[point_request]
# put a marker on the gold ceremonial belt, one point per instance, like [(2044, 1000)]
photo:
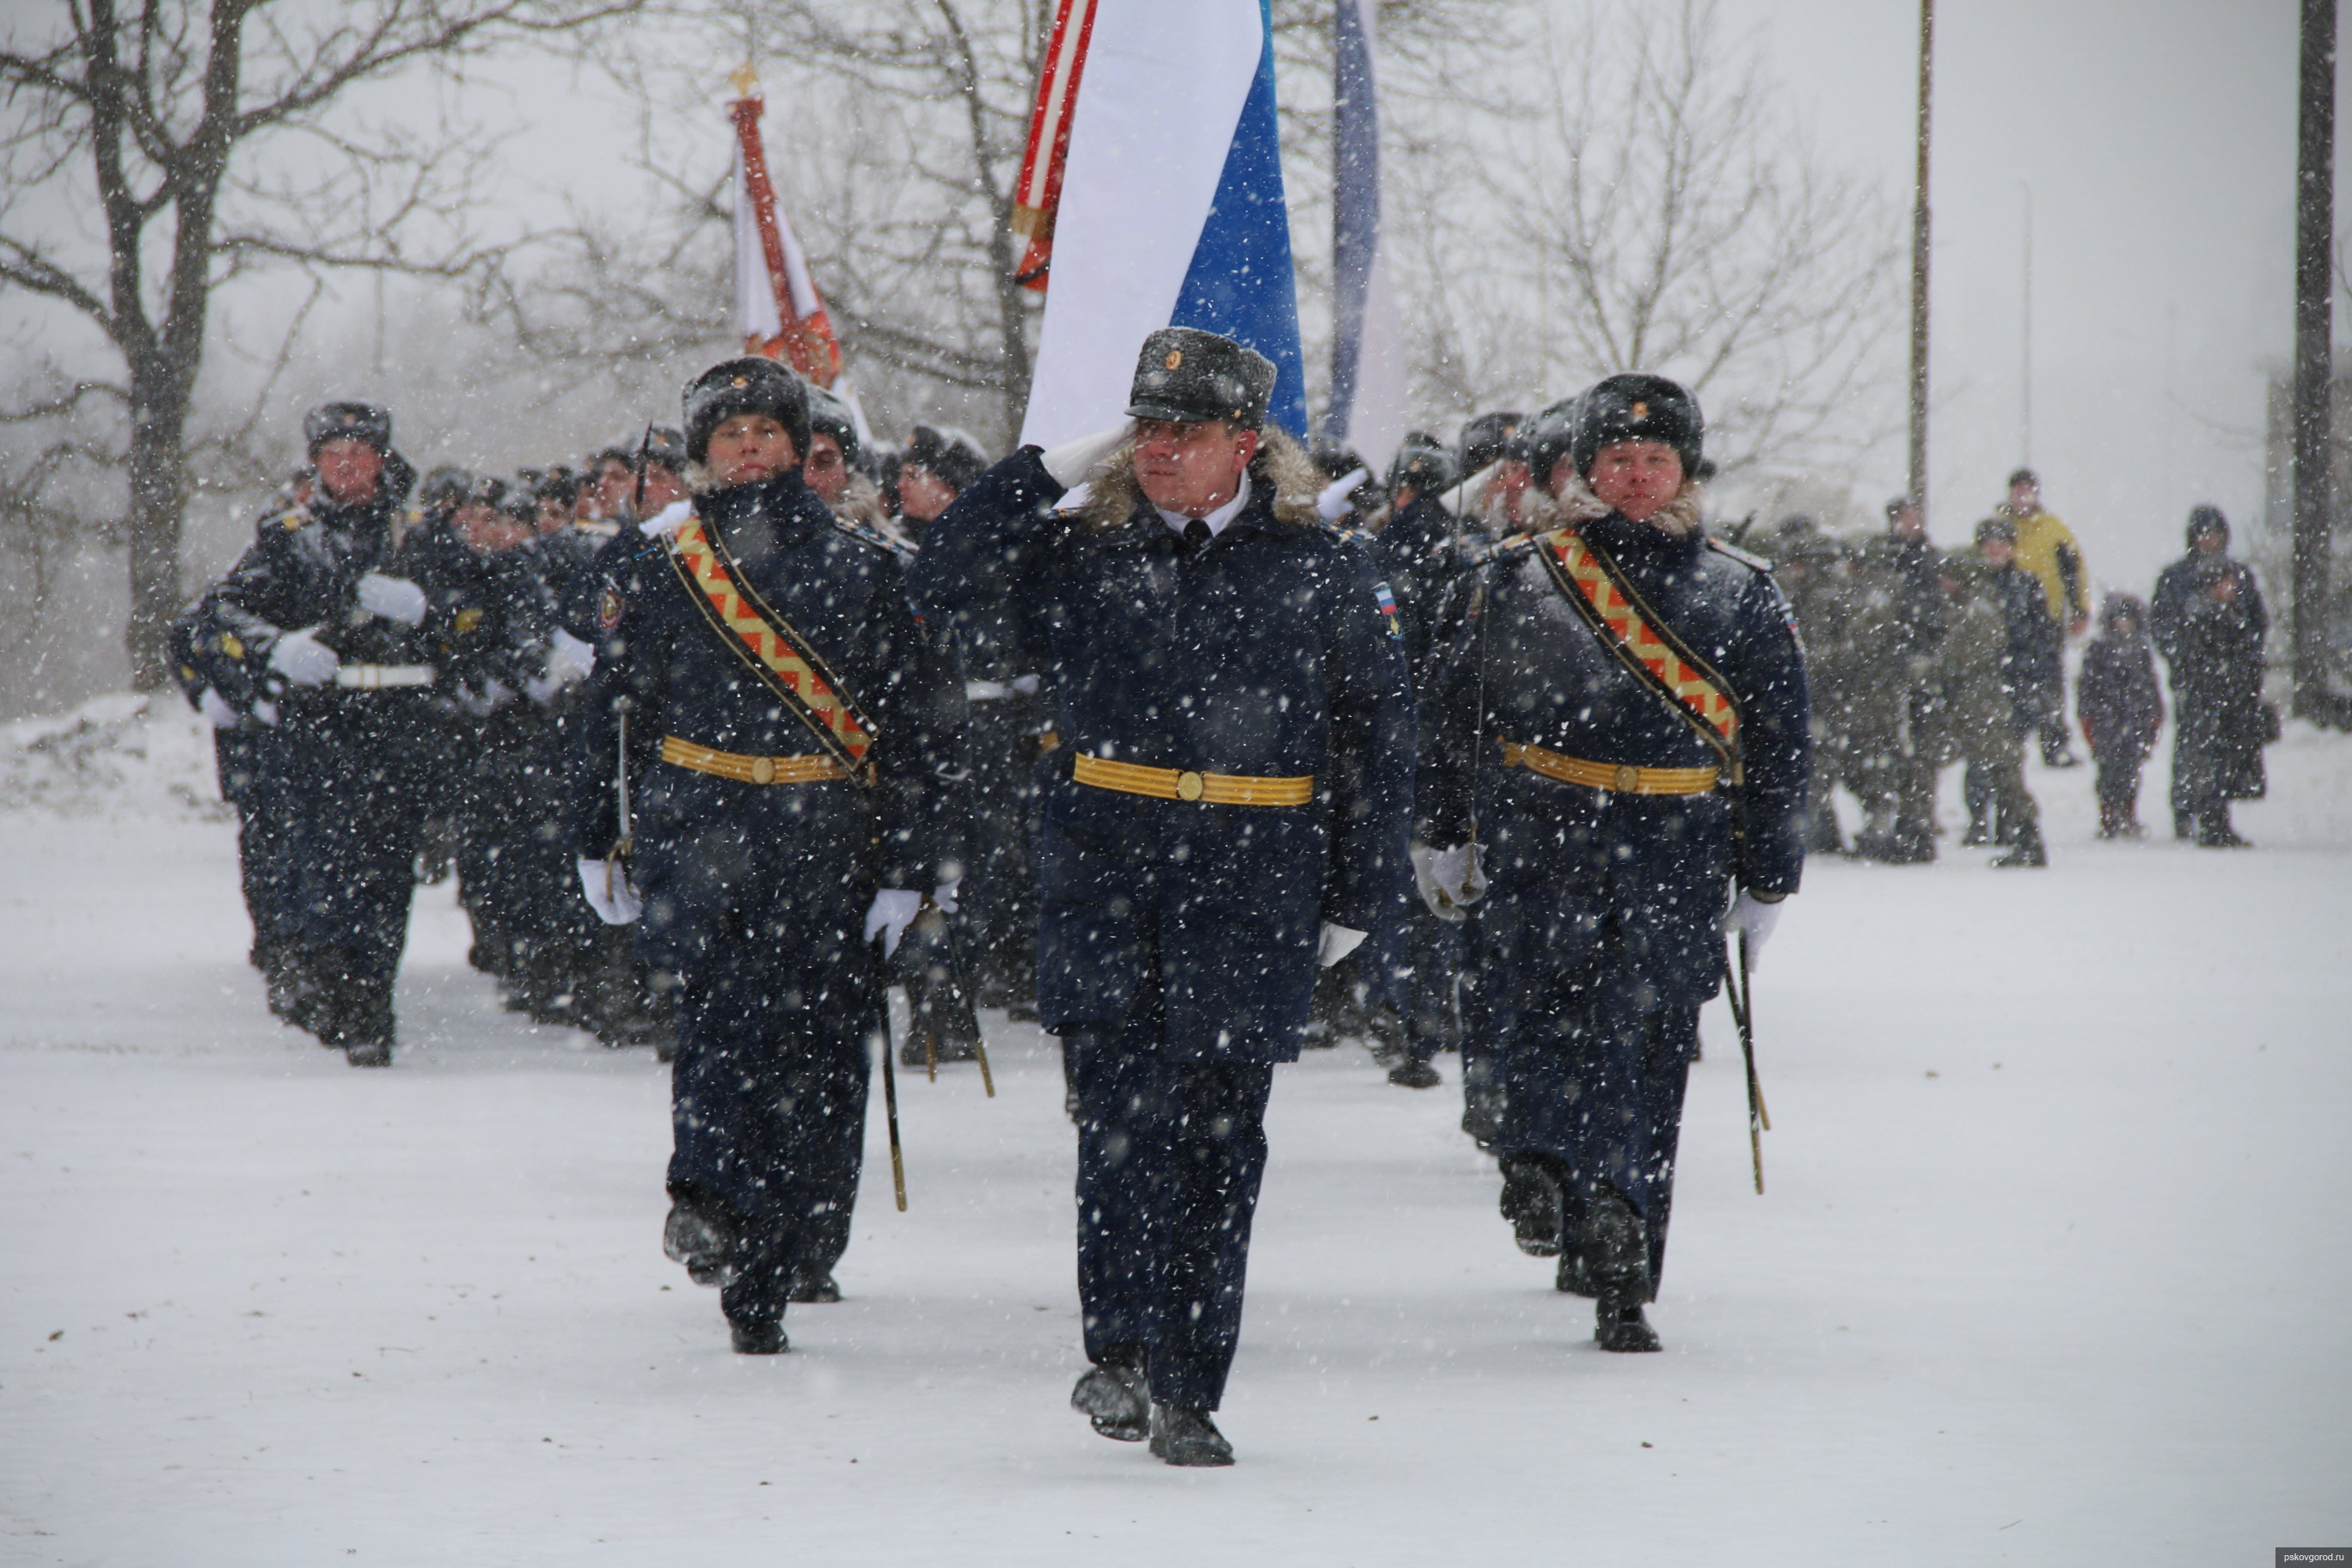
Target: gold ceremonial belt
[(1169, 783), (750, 770), (1622, 778)]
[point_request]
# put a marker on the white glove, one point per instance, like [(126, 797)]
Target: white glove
[(1074, 460), (1331, 502), (944, 896), (215, 707), (1337, 942), (569, 659), (394, 598), (609, 894), (893, 910), (1450, 880), (267, 712), (303, 659), (1753, 917), (542, 688)]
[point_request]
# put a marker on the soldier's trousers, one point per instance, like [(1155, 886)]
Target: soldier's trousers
[(1593, 1080), (1170, 1156), (344, 774), (999, 896), (1995, 782), (260, 855), (778, 1006)]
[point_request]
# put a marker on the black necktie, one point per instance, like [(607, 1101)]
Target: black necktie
[(1196, 535)]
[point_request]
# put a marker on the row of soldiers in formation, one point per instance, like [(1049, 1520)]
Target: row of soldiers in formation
[(1164, 720), (1920, 658)]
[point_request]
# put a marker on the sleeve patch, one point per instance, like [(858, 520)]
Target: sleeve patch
[(1387, 602), (609, 609)]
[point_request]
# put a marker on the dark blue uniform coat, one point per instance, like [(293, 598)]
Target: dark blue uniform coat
[(1599, 936), (1266, 655), (755, 894), (1176, 952)]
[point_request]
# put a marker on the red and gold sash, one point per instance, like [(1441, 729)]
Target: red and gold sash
[(766, 642), (1599, 591)]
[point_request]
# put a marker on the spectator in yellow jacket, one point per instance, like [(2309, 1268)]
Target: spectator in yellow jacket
[(2047, 550)]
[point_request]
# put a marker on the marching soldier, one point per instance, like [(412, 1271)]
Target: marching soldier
[(1228, 804), (933, 469), (784, 735), (1604, 804), (330, 637), (1811, 569), (1409, 550)]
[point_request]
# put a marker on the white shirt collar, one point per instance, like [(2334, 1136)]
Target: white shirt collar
[(1215, 520)]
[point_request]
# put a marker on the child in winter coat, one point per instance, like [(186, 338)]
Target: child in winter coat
[(2118, 702)]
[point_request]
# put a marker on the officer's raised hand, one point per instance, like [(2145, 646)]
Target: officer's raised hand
[(1074, 462)]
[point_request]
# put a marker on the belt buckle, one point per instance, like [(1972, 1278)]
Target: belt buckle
[(1188, 785), (1628, 778), (763, 770)]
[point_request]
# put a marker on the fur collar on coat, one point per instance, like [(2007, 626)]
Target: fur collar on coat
[(1281, 464)]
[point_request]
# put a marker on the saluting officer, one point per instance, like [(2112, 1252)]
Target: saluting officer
[(1230, 799), (331, 634), (790, 734), (1609, 800)]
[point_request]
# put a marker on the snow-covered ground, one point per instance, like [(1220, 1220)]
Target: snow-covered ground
[(2053, 1266)]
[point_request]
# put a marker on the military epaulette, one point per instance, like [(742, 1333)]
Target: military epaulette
[(1753, 562)]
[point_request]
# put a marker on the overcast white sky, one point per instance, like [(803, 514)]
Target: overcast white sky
[(2158, 137)]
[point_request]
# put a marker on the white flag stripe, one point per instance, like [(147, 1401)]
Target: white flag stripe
[(1153, 123), (755, 293)]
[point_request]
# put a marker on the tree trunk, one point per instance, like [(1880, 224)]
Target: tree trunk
[(159, 497)]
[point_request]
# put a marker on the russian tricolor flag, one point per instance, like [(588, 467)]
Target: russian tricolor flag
[(1170, 210)]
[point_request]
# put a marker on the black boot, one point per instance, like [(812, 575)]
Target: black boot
[(1482, 1112), (1184, 1436), (1414, 1073), (2214, 832), (354, 1015), (1115, 1396), (2027, 851), (1617, 1248), (1574, 1275), (758, 1334), (1977, 836), (1911, 843), (812, 1286), (1533, 1202), (702, 1240), (2184, 825)]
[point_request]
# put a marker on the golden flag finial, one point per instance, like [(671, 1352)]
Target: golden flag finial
[(746, 80)]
